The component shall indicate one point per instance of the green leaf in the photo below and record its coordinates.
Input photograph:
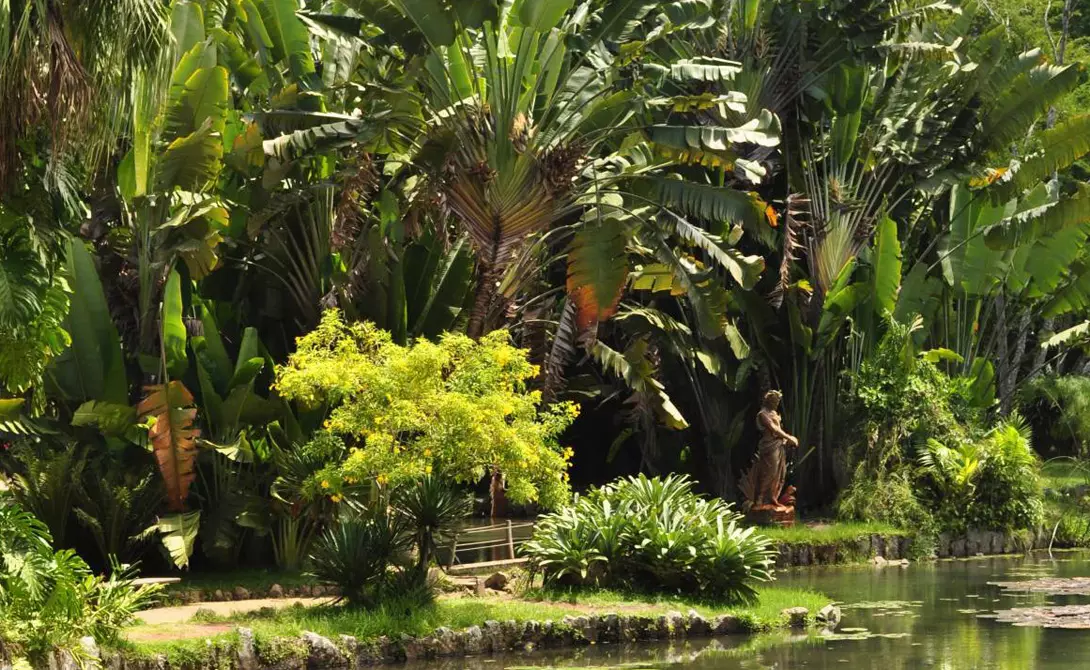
(704, 201)
(704, 70)
(597, 270)
(93, 368)
(887, 266)
(1031, 95)
(187, 25)
(982, 390)
(190, 163)
(941, 355)
(746, 270)
(113, 419)
(432, 19)
(290, 38)
(1068, 212)
(240, 63)
(11, 408)
(1072, 336)
(174, 333)
(1060, 147)
(178, 533)
(763, 131)
(1073, 297)
(202, 100)
(543, 15)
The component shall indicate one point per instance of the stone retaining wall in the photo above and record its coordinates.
(898, 547)
(311, 651)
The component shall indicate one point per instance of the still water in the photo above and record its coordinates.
(927, 615)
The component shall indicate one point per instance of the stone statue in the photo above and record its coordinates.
(763, 485)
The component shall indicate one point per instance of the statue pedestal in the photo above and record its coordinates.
(769, 515)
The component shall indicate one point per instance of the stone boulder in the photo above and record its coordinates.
(829, 617)
(797, 617)
(322, 653)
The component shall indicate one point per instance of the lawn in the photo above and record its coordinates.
(396, 618)
(1064, 473)
(828, 533)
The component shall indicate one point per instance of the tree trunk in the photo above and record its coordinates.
(1007, 386)
(500, 507)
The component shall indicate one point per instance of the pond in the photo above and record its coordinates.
(927, 615)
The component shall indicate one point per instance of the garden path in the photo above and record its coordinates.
(183, 613)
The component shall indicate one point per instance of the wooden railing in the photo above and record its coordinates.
(509, 542)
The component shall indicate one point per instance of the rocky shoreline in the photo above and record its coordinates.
(899, 547)
(311, 651)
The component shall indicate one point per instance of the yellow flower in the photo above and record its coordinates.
(336, 498)
(427, 453)
(382, 479)
(325, 484)
(427, 470)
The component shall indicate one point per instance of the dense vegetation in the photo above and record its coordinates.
(268, 267)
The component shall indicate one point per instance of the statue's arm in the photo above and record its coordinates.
(777, 430)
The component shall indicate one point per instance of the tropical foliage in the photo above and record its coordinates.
(651, 533)
(51, 598)
(260, 259)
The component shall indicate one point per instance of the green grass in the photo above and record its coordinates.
(830, 533)
(1064, 473)
(395, 618)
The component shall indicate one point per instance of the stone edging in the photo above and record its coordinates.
(896, 547)
(311, 651)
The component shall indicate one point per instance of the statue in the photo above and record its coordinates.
(763, 486)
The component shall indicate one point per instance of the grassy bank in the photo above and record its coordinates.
(396, 618)
(830, 533)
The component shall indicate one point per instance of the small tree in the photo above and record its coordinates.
(457, 408)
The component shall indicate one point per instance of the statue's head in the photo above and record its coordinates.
(772, 399)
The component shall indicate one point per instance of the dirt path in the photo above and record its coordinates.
(183, 613)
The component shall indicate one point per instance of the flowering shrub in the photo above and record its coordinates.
(457, 408)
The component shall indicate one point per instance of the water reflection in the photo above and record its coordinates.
(930, 615)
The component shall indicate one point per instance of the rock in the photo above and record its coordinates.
(829, 617)
(582, 628)
(368, 653)
(727, 625)
(675, 624)
(497, 581)
(512, 634)
(391, 651)
(350, 646)
(240, 593)
(878, 545)
(493, 637)
(636, 628)
(417, 648)
(322, 653)
(797, 617)
(698, 625)
(276, 591)
(609, 628)
(90, 648)
(879, 561)
(825, 554)
(959, 548)
(246, 659)
(219, 596)
(449, 643)
(62, 659)
(803, 555)
(474, 641)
